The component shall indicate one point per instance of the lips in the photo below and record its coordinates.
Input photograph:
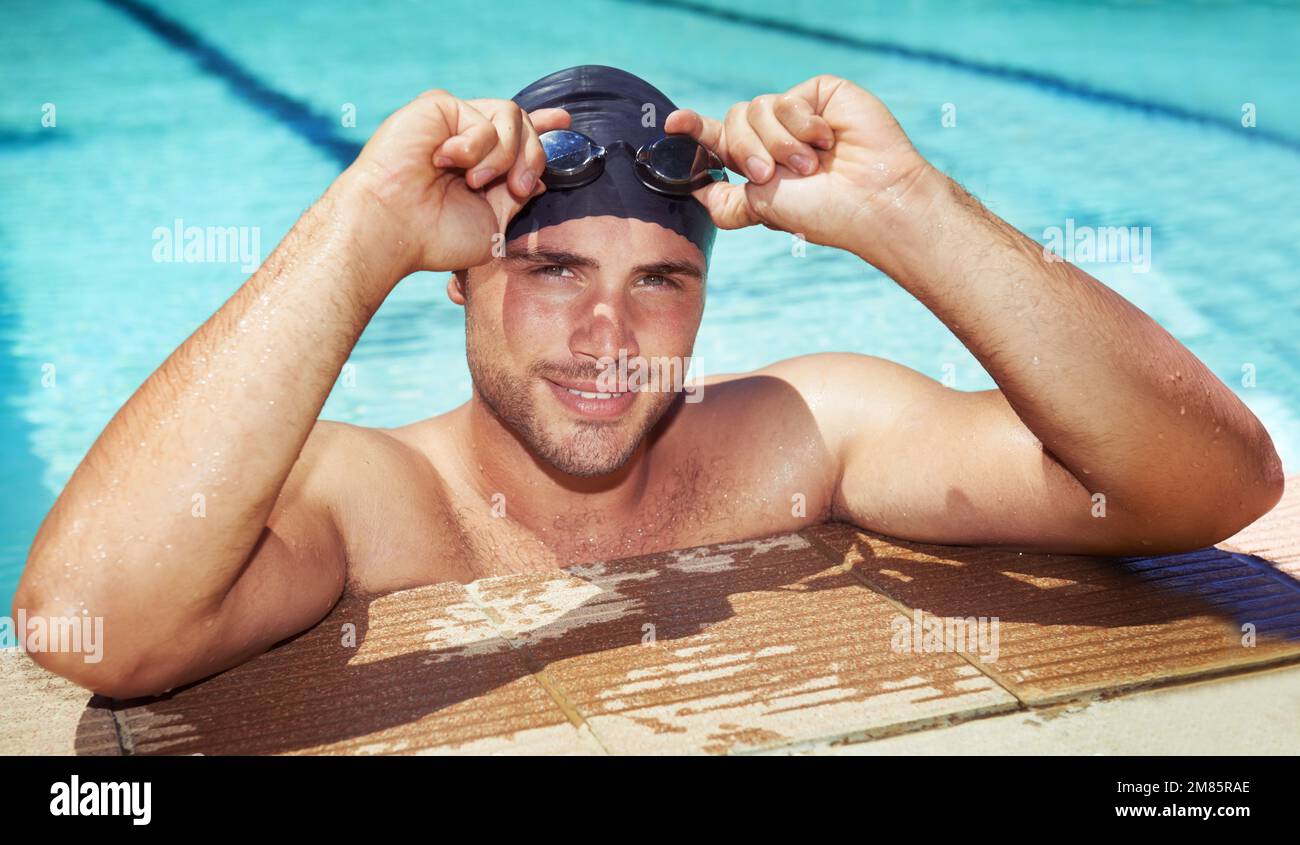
(587, 402)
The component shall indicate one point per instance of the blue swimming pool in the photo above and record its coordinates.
(120, 117)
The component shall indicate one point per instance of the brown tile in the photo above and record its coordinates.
(728, 648)
(46, 714)
(734, 647)
(1072, 626)
(429, 674)
(1275, 537)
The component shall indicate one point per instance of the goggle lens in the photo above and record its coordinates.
(566, 150)
(675, 158)
(674, 164)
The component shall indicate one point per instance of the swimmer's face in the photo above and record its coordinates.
(540, 321)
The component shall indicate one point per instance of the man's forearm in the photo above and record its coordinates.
(1116, 399)
(172, 497)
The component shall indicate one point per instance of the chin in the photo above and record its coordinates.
(589, 450)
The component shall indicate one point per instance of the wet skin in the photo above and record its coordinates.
(1096, 404)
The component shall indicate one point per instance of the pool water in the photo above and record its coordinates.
(231, 114)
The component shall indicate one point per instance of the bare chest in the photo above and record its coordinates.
(699, 501)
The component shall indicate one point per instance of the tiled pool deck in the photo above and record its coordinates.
(786, 644)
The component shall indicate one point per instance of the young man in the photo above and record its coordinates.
(546, 465)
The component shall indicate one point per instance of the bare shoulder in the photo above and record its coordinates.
(383, 495)
(341, 462)
(824, 376)
(799, 416)
(846, 393)
(344, 446)
(359, 474)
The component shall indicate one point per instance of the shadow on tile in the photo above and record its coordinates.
(310, 691)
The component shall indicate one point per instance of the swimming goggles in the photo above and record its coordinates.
(674, 164)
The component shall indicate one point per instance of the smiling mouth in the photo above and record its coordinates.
(585, 395)
(592, 404)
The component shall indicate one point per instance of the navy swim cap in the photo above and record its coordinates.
(608, 104)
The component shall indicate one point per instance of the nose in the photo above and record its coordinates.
(602, 327)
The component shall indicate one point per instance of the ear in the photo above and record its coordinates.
(456, 286)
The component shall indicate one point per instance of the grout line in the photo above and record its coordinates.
(539, 674)
(850, 738)
(1032, 703)
(1164, 682)
(840, 560)
(1224, 674)
(1042, 709)
(124, 741)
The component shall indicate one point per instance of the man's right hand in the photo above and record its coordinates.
(208, 521)
(426, 167)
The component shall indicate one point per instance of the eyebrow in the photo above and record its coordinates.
(565, 258)
(551, 256)
(671, 267)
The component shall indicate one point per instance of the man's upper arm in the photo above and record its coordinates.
(296, 571)
(924, 462)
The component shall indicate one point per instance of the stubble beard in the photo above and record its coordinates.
(581, 448)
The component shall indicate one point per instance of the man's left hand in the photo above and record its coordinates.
(825, 160)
